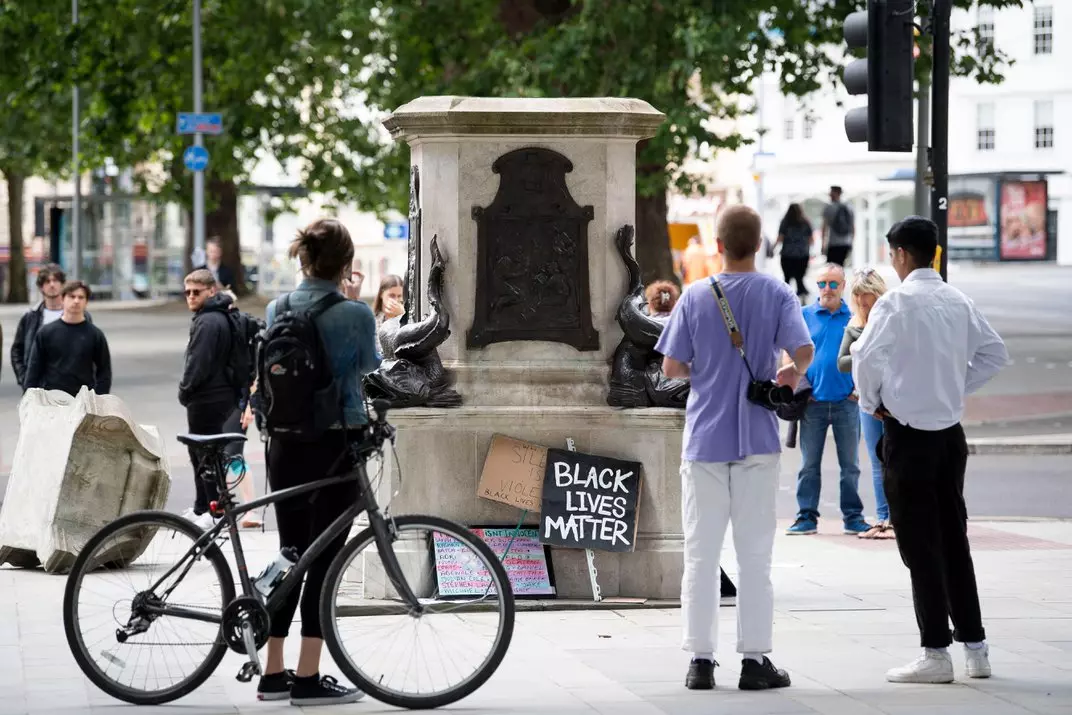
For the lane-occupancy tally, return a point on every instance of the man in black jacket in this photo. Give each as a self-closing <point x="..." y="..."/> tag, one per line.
<point x="205" y="389"/>
<point x="70" y="353"/>
<point x="50" y="280"/>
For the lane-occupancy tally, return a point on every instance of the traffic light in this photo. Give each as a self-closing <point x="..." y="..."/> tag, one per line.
<point x="886" y="75"/>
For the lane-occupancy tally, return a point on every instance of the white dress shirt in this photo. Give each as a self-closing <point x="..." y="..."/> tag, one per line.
<point x="925" y="347"/>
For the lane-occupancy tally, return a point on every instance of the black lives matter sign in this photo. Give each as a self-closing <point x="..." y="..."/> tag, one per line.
<point x="589" y="502"/>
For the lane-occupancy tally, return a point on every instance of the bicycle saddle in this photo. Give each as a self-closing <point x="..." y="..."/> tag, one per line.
<point x="211" y="440"/>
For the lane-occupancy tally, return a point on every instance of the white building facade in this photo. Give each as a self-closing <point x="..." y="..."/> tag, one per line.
<point x="1009" y="151"/>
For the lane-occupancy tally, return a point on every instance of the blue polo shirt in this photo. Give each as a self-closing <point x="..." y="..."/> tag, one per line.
<point x="827" y="329"/>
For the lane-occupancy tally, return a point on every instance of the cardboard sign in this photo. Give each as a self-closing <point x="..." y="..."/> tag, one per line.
<point x="513" y="473"/>
<point x="589" y="502"/>
<point x="460" y="574"/>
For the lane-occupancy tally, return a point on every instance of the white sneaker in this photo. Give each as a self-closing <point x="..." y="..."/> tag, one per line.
<point x="932" y="666"/>
<point x="189" y="514"/>
<point x="977" y="661"/>
<point x="205" y="521"/>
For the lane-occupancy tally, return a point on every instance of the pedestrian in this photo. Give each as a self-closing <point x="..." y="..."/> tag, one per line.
<point x="833" y="406"/>
<point x="50" y="280"/>
<point x="839" y="228"/>
<point x="730" y="449"/>
<point x="694" y="261"/>
<point x="662" y="296"/>
<point x="70" y="353"/>
<point x="925" y="347"/>
<point x="214" y="264"/>
<point x="795" y="236"/>
<point x="388" y="303"/>
<point x="867" y="287"/>
<point x="347" y="328"/>
<point x="206" y="390"/>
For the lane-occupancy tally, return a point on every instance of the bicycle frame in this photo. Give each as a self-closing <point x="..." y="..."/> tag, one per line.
<point x="382" y="526"/>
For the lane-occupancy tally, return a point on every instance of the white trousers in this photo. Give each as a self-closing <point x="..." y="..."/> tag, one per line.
<point x="712" y="495"/>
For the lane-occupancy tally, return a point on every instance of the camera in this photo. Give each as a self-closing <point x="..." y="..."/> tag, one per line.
<point x="769" y="394"/>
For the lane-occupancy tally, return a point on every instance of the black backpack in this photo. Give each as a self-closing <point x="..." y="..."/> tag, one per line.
<point x="242" y="359"/>
<point x="297" y="396"/>
<point x="842" y="223"/>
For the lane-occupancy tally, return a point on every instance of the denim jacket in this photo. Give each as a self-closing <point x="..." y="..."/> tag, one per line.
<point x="349" y="333"/>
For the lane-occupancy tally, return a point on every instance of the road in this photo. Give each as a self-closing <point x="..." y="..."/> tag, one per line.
<point x="1031" y="306"/>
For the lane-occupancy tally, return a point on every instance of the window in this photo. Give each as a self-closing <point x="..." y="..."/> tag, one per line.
<point x="1043" y="124"/>
<point x="984" y="127"/>
<point x="809" y="126"/>
<point x="1043" y="30"/>
<point x="790" y="125"/>
<point x="985" y="27"/>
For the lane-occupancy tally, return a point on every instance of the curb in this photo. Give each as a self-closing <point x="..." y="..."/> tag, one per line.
<point x="1029" y="445"/>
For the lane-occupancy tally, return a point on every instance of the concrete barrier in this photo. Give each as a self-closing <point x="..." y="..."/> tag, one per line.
<point x="80" y="462"/>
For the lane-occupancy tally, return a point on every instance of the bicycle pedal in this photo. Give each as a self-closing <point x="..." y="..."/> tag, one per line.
<point x="248" y="671"/>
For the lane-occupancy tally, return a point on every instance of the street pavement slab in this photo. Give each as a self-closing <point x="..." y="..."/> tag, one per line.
<point x="843" y="617"/>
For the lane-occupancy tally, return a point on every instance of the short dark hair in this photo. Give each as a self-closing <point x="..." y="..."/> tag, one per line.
<point x="324" y="249"/>
<point x="71" y="286"/>
<point x="740" y="231"/>
<point x="918" y="237"/>
<point x="836" y="188"/>
<point x="50" y="270"/>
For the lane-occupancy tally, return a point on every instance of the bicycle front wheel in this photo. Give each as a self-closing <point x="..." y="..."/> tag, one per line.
<point x="466" y="619"/>
<point x="111" y="609"/>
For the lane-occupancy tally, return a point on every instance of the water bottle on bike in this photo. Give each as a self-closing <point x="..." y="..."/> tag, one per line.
<point x="276" y="571"/>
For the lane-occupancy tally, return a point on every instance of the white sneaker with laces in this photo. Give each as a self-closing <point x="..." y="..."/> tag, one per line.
<point x="933" y="666"/>
<point x="977" y="661"/>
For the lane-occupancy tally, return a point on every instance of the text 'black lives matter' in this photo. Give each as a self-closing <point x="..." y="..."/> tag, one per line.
<point x="589" y="502"/>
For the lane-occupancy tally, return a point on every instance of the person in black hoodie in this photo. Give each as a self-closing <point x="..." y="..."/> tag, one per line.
<point x="205" y="390"/>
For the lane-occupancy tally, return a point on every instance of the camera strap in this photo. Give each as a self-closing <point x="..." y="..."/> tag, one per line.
<point x="731" y="323"/>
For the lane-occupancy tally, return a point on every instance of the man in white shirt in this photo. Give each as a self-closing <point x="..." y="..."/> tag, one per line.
<point x="925" y="347"/>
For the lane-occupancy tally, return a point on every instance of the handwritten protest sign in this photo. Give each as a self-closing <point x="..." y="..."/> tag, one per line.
<point x="513" y="473"/>
<point x="589" y="502"/>
<point x="460" y="573"/>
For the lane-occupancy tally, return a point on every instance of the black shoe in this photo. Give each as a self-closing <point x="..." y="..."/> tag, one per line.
<point x="316" y="690"/>
<point x="275" y="686"/>
<point x="761" y="676"/>
<point x="701" y="675"/>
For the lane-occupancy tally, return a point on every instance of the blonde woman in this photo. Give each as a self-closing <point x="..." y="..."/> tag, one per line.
<point x="867" y="287"/>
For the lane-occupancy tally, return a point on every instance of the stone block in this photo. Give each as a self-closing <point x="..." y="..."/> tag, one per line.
<point x="80" y="463"/>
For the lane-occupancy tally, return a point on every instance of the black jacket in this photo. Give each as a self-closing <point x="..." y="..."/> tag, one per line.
<point x="204" y="376"/>
<point x="29" y="324"/>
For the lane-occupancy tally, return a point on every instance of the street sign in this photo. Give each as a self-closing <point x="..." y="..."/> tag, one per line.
<point x="200" y="123"/>
<point x="396" y="230"/>
<point x="195" y="158"/>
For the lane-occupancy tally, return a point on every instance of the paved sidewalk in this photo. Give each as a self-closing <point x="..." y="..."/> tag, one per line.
<point x="843" y="617"/>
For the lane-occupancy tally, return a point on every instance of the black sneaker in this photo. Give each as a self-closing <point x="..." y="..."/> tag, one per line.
<point x="316" y="690"/>
<point x="761" y="676"/>
<point x="275" y="686"/>
<point x="701" y="675"/>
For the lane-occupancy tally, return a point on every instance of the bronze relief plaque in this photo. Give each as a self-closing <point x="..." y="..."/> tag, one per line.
<point x="532" y="244"/>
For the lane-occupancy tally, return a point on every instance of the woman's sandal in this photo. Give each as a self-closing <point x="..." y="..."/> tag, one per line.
<point x="875" y="532"/>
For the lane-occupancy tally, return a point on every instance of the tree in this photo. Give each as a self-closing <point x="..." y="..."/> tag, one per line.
<point x="34" y="124"/>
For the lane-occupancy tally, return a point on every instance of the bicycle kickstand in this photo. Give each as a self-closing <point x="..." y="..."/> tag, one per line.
<point x="253" y="666"/>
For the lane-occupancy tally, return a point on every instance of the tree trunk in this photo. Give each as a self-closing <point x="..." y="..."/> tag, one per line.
<point x="16" y="275"/>
<point x="222" y="223"/>
<point x="653" y="239"/>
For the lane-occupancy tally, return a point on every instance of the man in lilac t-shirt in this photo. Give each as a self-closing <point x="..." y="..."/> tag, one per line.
<point x="729" y="459"/>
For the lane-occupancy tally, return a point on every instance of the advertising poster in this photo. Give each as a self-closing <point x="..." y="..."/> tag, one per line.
<point x="972" y="220"/>
<point x="1023" y="220"/>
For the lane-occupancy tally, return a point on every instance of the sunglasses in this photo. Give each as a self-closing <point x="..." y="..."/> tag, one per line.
<point x="823" y="284"/>
<point x="193" y="292"/>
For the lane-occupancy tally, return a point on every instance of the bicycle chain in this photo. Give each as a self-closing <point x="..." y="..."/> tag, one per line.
<point x="184" y="605"/>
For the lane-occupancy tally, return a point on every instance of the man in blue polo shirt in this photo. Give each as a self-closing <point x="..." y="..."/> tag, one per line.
<point x="834" y="404"/>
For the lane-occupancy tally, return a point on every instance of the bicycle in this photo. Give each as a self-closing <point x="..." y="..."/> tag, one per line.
<point x="241" y="623"/>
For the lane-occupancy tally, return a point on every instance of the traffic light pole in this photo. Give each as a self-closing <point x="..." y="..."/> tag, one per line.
<point x="940" y="128"/>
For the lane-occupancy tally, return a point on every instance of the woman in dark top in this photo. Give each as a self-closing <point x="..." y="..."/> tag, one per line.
<point x="795" y="235"/>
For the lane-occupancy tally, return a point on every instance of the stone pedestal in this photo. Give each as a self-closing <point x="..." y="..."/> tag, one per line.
<point x="80" y="463"/>
<point x="525" y="197"/>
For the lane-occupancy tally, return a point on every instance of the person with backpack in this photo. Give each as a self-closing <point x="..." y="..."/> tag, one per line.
<point x="319" y="344"/>
<point x="839" y="228"/>
<point x="209" y="394"/>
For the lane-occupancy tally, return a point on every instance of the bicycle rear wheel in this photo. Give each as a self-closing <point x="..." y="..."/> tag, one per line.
<point x="165" y="657"/>
<point x="470" y="619"/>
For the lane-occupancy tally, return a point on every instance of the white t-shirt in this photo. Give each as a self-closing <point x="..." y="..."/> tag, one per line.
<point x="50" y="316"/>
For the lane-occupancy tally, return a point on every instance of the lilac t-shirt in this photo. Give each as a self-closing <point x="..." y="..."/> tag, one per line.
<point x="721" y="425"/>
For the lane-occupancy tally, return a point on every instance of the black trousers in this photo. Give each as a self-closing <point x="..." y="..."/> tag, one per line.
<point x="924" y="484"/>
<point x="303" y="518"/>
<point x="206" y="418"/>
<point x="794" y="269"/>
<point x="838" y="254"/>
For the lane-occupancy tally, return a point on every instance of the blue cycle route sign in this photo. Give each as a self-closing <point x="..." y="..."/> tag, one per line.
<point x="195" y="158"/>
<point x="199" y="123"/>
<point x="396" y="230"/>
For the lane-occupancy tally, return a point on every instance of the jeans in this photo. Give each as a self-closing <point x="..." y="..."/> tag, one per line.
<point x="713" y="495"/>
<point x="844" y="418"/>
<point x="871" y="427"/>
